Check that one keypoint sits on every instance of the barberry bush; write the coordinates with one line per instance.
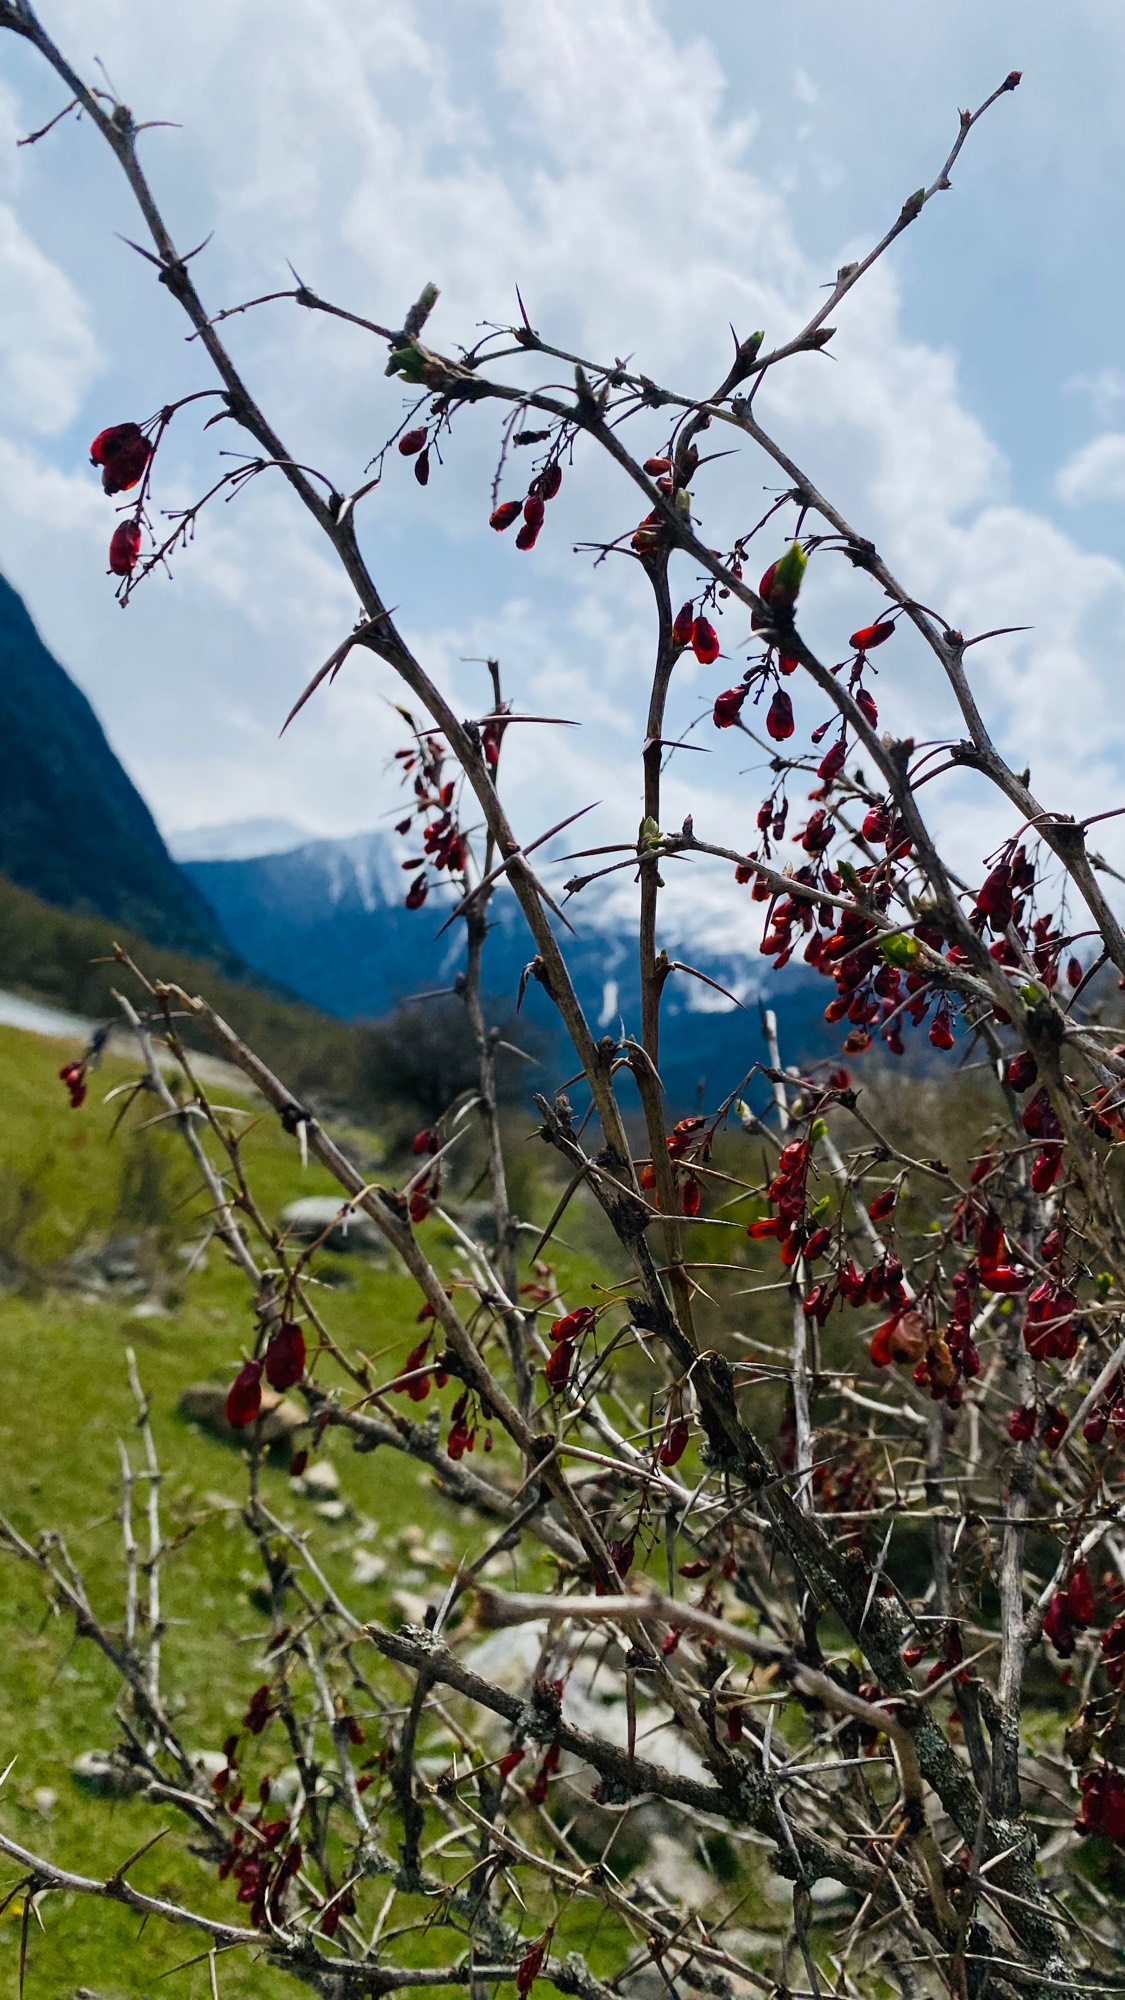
(809, 1516)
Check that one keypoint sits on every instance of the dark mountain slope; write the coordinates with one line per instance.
(73, 827)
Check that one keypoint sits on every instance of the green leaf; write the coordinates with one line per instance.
(900, 949)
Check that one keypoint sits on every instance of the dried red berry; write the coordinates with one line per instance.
(832, 762)
(869, 636)
(1080, 1595)
(1052, 1426)
(527, 537)
(1021, 1423)
(883, 1204)
(728, 707)
(941, 1031)
(285, 1356)
(1045, 1168)
(412, 443)
(559, 1363)
(675, 1443)
(244, 1397)
(123, 452)
(73, 1074)
(502, 517)
(683, 624)
(779, 717)
(704, 642)
(1021, 1071)
(1004, 1278)
(530, 1965)
(1058, 1625)
(422, 468)
(124, 549)
(572, 1324)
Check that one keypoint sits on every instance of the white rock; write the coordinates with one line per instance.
(321, 1479)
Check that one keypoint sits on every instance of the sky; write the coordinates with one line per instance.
(648, 175)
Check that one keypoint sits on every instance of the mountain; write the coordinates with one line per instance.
(73, 827)
(65, 960)
(327, 921)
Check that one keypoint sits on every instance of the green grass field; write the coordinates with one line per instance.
(65, 1405)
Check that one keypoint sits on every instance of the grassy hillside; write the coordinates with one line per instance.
(59, 957)
(64, 1406)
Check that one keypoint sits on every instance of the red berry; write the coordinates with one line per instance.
(244, 1397)
(869, 636)
(123, 452)
(124, 549)
(503, 516)
(779, 717)
(682, 625)
(704, 642)
(728, 707)
(285, 1356)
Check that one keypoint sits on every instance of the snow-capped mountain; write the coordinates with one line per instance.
(327, 920)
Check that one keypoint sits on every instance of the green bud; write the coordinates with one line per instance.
(650, 835)
(408, 361)
(789, 569)
(1104, 1282)
(824, 1204)
(819, 1131)
(682, 501)
(900, 949)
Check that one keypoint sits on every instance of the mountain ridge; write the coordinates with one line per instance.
(327, 920)
(74, 829)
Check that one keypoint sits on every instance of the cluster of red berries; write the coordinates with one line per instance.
(1103, 1803)
(689, 1144)
(443, 843)
(543, 488)
(1070, 1611)
(425, 1193)
(124, 453)
(416, 445)
(1108, 1413)
(73, 1074)
(565, 1335)
(253, 1858)
(284, 1366)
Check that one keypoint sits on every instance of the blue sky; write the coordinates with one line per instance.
(647, 174)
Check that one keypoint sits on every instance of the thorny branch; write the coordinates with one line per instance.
(996, 1286)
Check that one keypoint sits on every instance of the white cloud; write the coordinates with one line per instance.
(612, 168)
(1096, 472)
(1105, 388)
(48, 355)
